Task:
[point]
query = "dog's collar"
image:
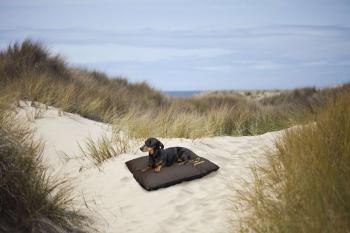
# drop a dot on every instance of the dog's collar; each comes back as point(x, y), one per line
point(156, 153)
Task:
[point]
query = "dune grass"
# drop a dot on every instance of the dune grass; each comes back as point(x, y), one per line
point(29, 72)
point(31, 200)
point(241, 118)
point(305, 184)
point(108, 146)
point(303, 187)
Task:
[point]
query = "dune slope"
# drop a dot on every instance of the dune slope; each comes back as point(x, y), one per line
point(119, 204)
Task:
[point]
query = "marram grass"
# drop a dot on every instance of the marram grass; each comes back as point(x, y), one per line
point(305, 185)
point(29, 72)
point(31, 200)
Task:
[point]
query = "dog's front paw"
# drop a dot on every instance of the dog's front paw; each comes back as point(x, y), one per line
point(157, 169)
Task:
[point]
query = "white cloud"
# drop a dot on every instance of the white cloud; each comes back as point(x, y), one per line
point(118, 53)
point(260, 64)
point(268, 65)
point(326, 63)
point(218, 68)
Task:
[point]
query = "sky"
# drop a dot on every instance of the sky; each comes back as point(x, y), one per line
point(193, 44)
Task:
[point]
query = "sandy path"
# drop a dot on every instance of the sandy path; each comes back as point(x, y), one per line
point(121, 205)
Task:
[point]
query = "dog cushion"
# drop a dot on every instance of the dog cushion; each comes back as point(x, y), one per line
point(174, 174)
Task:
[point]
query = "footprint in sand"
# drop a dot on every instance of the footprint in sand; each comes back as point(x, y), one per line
point(125, 179)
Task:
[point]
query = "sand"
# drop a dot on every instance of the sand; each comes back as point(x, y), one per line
point(119, 204)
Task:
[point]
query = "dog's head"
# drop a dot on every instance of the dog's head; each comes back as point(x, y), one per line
point(151, 145)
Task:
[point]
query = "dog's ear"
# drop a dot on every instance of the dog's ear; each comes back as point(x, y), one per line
point(161, 146)
point(155, 143)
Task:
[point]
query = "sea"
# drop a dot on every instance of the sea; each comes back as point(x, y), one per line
point(181, 93)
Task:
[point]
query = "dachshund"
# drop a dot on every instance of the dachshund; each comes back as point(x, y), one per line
point(160, 157)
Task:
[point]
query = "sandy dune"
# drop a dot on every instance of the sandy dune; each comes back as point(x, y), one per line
point(117, 201)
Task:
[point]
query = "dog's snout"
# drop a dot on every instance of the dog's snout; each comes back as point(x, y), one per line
point(142, 148)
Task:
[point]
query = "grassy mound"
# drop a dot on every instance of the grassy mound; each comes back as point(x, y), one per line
point(30, 199)
point(29, 72)
point(305, 186)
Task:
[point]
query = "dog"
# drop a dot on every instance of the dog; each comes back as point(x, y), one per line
point(160, 157)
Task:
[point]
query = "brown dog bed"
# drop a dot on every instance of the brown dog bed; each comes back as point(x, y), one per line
point(168, 176)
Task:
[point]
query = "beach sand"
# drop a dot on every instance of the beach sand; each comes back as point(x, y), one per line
point(118, 203)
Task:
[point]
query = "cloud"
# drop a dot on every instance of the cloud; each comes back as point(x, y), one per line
point(258, 53)
point(261, 64)
point(152, 36)
point(218, 68)
point(273, 65)
point(250, 64)
point(117, 53)
point(269, 65)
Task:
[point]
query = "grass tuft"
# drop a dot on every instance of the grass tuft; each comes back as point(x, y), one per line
point(107, 147)
point(30, 199)
point(305, 185)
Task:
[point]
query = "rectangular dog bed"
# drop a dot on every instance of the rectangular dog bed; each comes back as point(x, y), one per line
point(174, 174)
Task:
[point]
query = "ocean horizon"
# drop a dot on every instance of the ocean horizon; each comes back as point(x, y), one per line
point(182, 93)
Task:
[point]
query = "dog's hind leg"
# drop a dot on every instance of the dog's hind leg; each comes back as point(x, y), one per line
point(188, 157)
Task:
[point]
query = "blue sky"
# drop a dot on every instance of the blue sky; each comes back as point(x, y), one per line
point(193, 45)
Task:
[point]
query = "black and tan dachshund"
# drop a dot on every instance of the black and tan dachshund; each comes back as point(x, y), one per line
point(160, 157)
